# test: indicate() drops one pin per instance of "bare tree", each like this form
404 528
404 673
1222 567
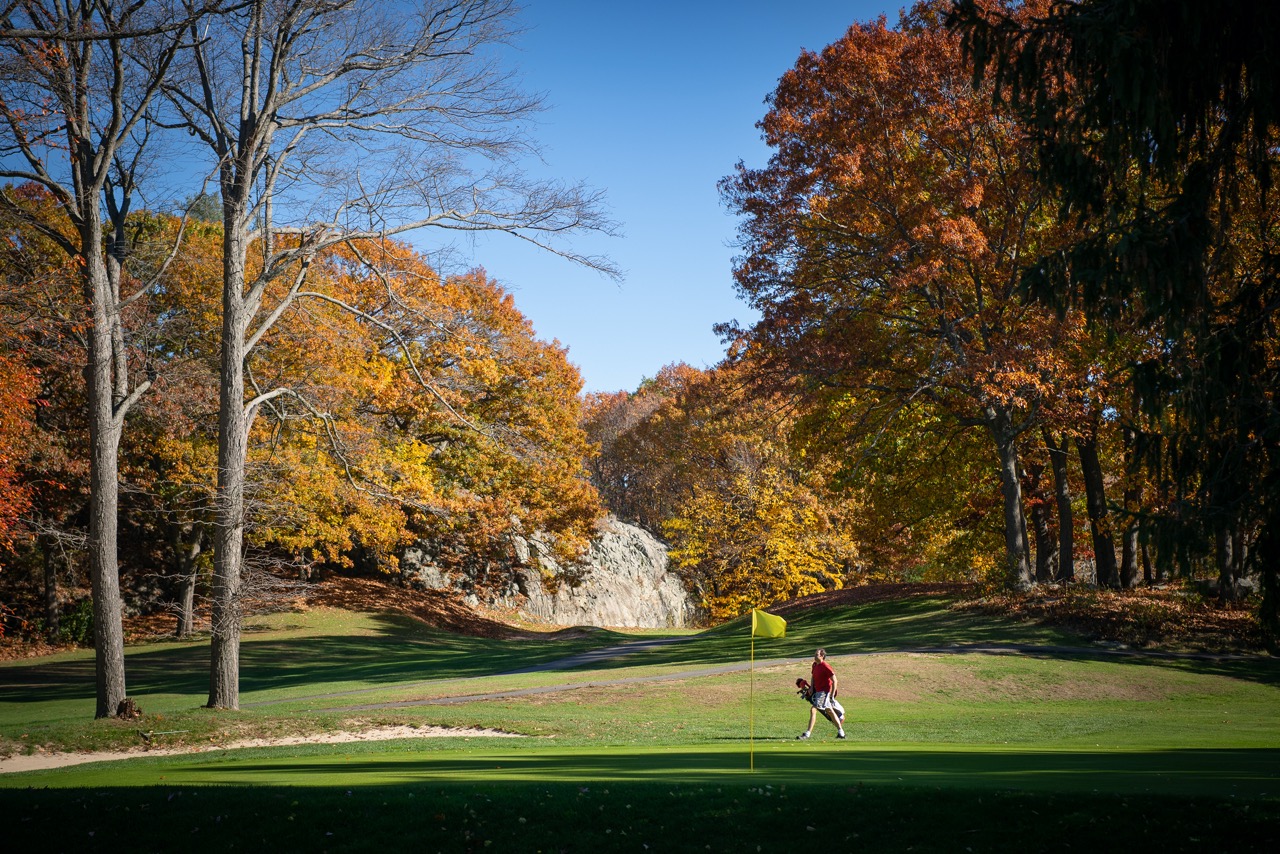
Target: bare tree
77 81
333 120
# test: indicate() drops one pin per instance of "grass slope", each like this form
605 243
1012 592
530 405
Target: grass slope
949 751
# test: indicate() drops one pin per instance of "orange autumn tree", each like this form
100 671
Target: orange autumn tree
431 413
17 411
883 243
441 400
42 332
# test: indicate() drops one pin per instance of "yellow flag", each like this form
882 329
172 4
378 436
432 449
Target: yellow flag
767 625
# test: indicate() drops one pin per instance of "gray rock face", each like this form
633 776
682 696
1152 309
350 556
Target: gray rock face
626 583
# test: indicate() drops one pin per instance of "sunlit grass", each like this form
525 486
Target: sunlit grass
997 745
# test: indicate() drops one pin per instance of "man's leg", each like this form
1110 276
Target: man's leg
830 712
838 710
813 717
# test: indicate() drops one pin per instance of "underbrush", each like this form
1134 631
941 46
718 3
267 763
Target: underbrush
1141 617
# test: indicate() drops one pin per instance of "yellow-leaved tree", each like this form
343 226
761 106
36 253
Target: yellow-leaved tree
703 461
415 408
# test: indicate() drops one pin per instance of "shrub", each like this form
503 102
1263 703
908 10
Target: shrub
77 624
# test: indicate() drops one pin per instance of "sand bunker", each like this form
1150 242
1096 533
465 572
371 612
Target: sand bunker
41 761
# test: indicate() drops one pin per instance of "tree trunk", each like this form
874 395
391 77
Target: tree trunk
1129 549
104 443
1132 497
1017 559
1228 560
1240 551
1268 543
228 538
1045 551
52 613
1066 519
187 555
1099 520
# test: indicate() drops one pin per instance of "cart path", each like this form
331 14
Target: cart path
631 647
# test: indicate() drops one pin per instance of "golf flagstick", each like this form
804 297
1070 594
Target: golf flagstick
767 626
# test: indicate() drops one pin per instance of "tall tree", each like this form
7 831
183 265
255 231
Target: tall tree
77 82
381 112
1158 121
883 242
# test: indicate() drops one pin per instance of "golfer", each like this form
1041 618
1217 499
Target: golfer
824 693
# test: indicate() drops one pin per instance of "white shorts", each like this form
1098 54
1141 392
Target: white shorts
823 701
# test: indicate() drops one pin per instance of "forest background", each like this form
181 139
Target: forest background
994 343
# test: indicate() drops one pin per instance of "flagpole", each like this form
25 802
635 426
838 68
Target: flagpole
752 694
770 626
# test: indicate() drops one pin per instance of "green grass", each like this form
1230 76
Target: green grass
640 817
946 752
282 655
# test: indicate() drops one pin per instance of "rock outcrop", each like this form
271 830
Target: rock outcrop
625 582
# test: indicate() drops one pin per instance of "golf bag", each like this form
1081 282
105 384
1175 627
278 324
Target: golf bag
806 693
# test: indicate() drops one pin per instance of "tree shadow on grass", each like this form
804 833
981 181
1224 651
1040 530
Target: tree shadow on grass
744 812
875 627
1215 772
921 624
1260 669
399 651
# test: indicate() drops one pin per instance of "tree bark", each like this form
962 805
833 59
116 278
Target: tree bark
1099 519
1066 519
104 444
1045 546
1227 554
228 536
1129 556
1132 497
52 612
186 557
1017 559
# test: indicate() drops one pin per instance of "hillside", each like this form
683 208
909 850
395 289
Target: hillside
1141 618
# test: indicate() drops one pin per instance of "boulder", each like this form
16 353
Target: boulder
623 581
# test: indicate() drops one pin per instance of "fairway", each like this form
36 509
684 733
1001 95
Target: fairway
1057 730
1247 774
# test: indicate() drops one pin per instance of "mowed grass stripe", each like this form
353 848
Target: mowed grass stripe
1221 773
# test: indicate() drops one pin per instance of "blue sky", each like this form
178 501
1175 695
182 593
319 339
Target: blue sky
653 103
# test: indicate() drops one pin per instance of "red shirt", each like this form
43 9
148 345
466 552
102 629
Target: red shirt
822 674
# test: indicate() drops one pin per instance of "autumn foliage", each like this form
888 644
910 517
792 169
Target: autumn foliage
903 408
991 347
17 391
709 467
431 415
